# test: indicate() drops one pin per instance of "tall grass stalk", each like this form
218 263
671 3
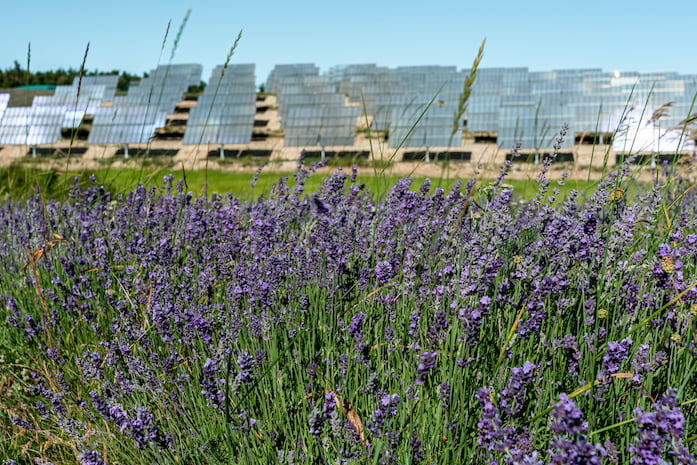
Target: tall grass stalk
28 63
164 78
462 103
152 87
215 95
73 131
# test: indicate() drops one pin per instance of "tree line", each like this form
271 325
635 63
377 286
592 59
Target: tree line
15 76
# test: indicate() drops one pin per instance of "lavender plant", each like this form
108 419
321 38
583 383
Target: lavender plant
157 326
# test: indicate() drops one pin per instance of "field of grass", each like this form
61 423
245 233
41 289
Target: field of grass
19 181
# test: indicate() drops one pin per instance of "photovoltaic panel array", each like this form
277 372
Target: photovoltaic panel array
109 82
529 108
134 118
517 105
224 114
41 123
313 112
397 98
424 115
165 86
80 98
125 123
280 72
31 125
365 84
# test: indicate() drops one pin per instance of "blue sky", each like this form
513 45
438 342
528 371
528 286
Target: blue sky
542 35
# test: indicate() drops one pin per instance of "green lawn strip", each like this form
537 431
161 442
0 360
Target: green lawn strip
18 182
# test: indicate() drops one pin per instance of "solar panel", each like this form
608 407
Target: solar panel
539 103
522 106
313 112
386 94
288 72
530 107
74 104
30 125
429 95
4 100
134 118
165 86
125 123
110 82
224 114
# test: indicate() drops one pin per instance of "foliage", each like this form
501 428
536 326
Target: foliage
18 182
422 327
16 76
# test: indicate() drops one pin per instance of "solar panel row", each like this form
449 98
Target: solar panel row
312 109
134 118
30 125
414 104
42 122
530 107
225 112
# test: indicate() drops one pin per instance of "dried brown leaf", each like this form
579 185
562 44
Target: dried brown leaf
354 419
348 410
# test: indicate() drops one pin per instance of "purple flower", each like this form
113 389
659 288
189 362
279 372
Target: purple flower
472 319
569 444
414 319
513 396
590 224
246 364
383 272
427 361
568 418
383 415
417 448
311 370
493 436
41 408
439 326
355 329
22 423
90 457
444 394
660 430
316 422
616 354
373 383
141 428
425 186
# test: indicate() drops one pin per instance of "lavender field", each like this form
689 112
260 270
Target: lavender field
349 327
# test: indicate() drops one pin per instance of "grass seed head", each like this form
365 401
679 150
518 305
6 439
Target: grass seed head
668 264
616 194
